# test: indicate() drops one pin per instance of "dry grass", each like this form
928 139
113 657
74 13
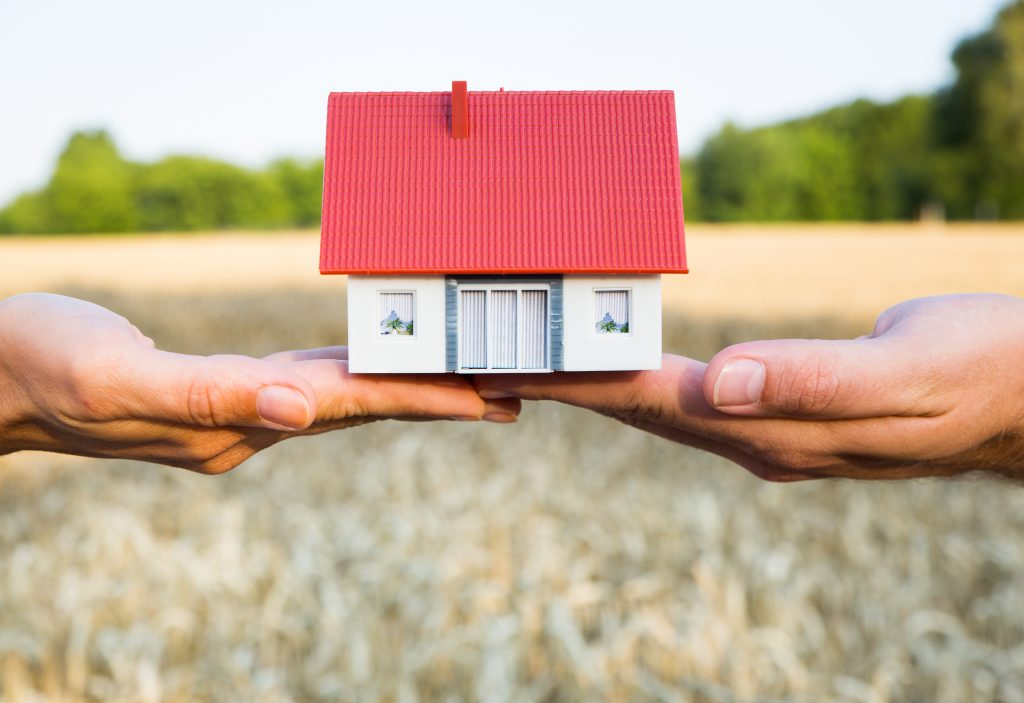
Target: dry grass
746 271
567 558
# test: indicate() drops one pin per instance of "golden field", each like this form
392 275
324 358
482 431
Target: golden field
565 558
781 270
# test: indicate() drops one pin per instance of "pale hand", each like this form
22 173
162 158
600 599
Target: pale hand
78 379
936 390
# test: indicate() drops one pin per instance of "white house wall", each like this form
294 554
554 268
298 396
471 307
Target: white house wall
421 352
586 350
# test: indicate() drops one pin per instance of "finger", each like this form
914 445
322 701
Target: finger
760 468
785 450
669 396
287 357
194 448
502 410
821 379
668 403
215 391
342 395
672 398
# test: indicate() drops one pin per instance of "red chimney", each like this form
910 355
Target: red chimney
460 110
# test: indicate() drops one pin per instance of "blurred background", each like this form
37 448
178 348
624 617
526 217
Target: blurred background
165 161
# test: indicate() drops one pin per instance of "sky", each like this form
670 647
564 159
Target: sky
248 81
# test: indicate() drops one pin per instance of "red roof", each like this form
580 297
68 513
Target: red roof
545 182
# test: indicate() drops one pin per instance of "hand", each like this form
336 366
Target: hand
936 390
78 379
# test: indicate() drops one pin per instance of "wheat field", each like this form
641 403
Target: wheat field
565 558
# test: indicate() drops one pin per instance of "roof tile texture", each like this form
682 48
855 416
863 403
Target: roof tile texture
546 182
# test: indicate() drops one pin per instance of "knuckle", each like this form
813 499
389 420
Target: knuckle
206 401
643 402
280 357
350 407
213 456
227 460
888 319
780 466
197 452
632 407
785 460
811 389
214 466
774 475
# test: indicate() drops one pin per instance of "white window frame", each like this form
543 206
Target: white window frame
519 288
629 305
415 325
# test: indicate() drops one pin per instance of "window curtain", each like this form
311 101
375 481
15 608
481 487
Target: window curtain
395 306
611 305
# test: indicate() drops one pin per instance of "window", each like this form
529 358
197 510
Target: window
397 313
503 326
611 311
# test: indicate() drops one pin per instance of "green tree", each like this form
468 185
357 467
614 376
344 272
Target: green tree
980 120
890 154
27 214
302 184
191 193
793 171
91 187
691 189
90 191
963 148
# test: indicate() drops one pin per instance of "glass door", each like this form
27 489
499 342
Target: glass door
503 327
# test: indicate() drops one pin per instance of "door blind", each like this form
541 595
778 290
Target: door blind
503 329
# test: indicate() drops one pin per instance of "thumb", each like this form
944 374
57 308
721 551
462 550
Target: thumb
218 391
870 377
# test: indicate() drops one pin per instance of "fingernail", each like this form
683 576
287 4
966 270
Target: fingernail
503 418
740 382
492 394
283 406
501 405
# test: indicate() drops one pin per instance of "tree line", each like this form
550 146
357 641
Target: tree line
94 189
957 153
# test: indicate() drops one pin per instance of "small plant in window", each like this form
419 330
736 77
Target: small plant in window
393 324
608 325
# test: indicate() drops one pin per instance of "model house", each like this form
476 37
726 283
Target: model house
502 231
